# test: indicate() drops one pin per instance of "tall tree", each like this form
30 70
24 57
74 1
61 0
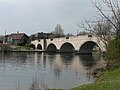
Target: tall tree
109 22
102 28
113 9
58 32
113 49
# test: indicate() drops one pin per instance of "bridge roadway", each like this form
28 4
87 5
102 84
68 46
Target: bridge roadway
81 44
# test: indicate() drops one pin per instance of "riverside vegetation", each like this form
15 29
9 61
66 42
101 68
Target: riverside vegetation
110 80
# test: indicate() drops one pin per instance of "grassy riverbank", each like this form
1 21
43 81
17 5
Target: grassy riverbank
110 80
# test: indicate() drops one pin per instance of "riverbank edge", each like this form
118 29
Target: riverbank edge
109 80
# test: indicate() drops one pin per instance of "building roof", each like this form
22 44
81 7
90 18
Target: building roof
41 35
16 35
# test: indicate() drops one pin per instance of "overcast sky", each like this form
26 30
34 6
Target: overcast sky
32 16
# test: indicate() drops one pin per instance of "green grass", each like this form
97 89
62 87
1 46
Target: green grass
110 80
54 89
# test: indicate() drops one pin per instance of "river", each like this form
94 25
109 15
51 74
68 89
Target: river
20 70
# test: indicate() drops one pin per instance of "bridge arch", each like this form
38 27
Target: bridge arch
39 46
88 46
32 46
51 48
67 47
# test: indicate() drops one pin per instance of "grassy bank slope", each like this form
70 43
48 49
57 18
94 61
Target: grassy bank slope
110 80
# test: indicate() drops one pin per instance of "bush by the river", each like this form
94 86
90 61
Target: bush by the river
5 48
113 53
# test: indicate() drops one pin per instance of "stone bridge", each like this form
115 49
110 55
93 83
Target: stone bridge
81 44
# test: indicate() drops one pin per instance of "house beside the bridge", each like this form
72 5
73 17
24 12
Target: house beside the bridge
15 38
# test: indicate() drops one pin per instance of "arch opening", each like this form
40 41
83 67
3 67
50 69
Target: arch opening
67 47
32 47
89 47
51 48
39 46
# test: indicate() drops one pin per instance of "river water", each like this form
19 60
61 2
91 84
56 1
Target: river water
23 70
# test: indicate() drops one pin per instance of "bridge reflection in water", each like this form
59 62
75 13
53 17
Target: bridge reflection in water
51 70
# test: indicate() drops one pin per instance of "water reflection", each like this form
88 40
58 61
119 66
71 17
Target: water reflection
89 63
52 70
89 60
67 58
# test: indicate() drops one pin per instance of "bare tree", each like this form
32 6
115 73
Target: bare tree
109 22
113 8
59 31
102 28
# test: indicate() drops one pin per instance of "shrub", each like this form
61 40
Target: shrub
113 53
5 48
